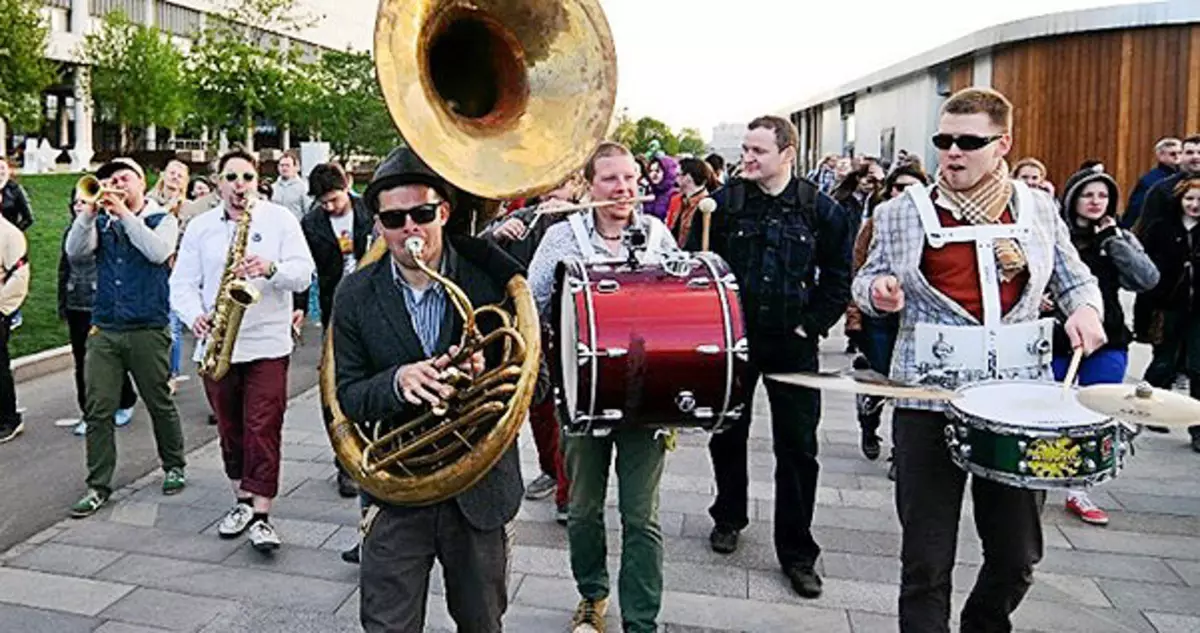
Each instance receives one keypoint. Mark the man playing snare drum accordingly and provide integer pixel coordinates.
(969, 314)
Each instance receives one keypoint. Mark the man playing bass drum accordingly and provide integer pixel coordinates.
(393, 327)
(790, 247)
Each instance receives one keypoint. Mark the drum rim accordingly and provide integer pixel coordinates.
(1045, 483)
(1102, 421)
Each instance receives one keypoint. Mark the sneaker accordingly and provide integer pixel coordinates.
(346, 485)
(80, 429)
(16, 320)
(9, 432)
(870, 445)
(88, 505)
(236, 520)
(123, 416)
(1083, 507)
(263, 537)
(589, 616)
(723, 540)
(352, 555)
(561, 514)
(805, 580)
(541, 487)
(174, 481)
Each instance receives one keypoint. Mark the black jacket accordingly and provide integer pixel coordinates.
(791, 254)
(327, 254)
(373, 336)
(15, 206)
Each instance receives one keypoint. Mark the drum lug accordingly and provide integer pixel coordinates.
(698, 283)
(1090, 465)
(941, 349)
(607, 286)
(965, 451)
(703, 413)
(708, 349)
(584, 354)
(1040, 347)
(1023, 466)
(1022, 445)
(742, 350)
(1091, 445)
(686, 401)
(613, 352)
(736, 412)
(575, 286)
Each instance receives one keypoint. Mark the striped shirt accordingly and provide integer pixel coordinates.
(426, 306)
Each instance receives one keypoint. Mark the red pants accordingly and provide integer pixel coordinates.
(545, 436)
(249, 403)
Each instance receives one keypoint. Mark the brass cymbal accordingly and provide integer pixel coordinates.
(1142, 404)
(864, 382)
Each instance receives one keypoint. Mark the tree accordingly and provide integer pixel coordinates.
(24, 70)
(690, 142)
(137, 76)
(351, 114)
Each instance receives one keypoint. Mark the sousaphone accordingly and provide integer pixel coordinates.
(503, 99)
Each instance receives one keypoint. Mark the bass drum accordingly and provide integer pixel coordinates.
(651, 345)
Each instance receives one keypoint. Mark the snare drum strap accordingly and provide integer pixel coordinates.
(581, 236)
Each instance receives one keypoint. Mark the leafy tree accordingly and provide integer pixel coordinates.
(24, 70)
(137, 76)
(351, 114)
(648, 129)
(690, 142)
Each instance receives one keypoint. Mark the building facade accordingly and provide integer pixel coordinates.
(1101, 84)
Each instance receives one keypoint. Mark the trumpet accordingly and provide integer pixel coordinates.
(89, 189)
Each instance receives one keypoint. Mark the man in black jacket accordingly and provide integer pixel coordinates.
(392, 331)
(337, 229)
(790, 247)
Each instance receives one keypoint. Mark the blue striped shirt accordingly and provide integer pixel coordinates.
(426, 307)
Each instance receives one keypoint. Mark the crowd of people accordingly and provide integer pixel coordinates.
(888, 248)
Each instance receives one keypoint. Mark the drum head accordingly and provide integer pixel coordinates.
(568, 351)
(1025, 403)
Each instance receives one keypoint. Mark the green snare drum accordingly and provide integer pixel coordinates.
(1028, 434)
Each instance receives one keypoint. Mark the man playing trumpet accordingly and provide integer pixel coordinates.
(250, 399)
(131, 241)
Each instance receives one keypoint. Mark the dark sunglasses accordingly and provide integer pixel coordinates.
(423, 214)
(965, 142)
(247, 176)
(901, 186)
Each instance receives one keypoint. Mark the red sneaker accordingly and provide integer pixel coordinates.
(1087, 511)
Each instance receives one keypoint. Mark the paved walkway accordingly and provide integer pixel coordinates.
(154, 563)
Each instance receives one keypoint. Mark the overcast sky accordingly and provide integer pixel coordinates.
(694, 66)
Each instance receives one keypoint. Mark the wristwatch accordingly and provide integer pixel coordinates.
(271, 270)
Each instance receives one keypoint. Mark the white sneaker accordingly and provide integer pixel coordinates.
(235, 521)
(263, 537)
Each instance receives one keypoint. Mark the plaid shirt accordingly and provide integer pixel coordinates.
(897, 249)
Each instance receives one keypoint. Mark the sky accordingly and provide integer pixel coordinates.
(696, 63)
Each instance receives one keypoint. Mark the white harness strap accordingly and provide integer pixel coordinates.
(655, 238)
(581, 236)
(984, 236)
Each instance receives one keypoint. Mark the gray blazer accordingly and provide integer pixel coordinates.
(373, 336)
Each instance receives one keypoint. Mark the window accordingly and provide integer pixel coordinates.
(175, 19)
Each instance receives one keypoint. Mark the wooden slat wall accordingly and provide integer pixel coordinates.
(962, 73)
(1108, 95)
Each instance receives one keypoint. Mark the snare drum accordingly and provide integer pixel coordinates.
(1027, 434)
(654, 345)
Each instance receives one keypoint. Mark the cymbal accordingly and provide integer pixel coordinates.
(1141, 403)
(869, 383)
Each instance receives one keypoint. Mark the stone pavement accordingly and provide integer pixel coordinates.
(153, 563)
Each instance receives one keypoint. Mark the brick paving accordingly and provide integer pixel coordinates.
(152, 563)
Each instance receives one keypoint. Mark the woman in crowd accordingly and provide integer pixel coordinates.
(663, 173)
(76, 294)
(1032, 172)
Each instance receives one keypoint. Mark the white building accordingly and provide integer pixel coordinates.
(727, 141)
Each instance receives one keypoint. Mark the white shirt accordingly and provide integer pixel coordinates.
(275, 235)
(343, 230)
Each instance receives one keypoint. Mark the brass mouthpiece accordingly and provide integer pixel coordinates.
(415, 246)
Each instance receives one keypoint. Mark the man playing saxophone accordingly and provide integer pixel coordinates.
(248, 393)
(131, 238)
(393, 328)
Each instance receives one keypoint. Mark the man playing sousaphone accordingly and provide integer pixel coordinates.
(965, 264)
(612, 174)
(393, 327)
(269, 255)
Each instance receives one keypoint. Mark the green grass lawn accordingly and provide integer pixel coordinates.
(42, 329)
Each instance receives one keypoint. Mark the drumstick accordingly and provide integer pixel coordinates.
(1072, 370)
(706, 206)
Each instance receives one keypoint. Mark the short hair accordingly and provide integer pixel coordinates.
(700, 172)
(325, 178)
(785, 133)
(981, 101)
(604, 150)
(292, 154)
(1164, 143)
(236, 153)
(1194, 139)
(1029, 161)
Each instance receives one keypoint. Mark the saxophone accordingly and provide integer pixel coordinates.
(233, 297)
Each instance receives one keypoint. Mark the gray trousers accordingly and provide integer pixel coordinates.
(398, 553)
(929, 495)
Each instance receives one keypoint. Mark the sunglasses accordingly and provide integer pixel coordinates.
(901, 186)
(247, 176)
(423, 214)
(965, 142)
